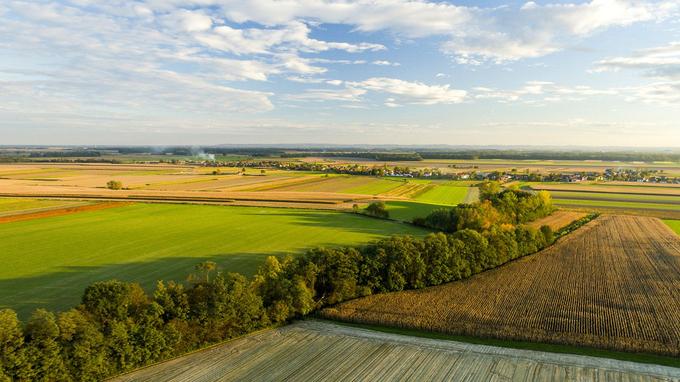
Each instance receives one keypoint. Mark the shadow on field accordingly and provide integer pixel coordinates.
(62, 290)
(357, 223)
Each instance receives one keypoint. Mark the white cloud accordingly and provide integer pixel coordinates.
(660, 62)
(539, 92)
(412, 92)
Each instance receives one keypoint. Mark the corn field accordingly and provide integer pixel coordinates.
(613, 284)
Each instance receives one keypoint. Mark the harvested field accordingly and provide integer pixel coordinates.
(60, 212)
(48, 262)
(612, 284)
(316, 351)
(558, 219)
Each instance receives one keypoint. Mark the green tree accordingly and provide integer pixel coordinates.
(43, 350)
(83, 346)
(378, 209)
(13, 362)
(114, 185)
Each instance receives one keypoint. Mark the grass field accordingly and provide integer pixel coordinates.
(617, 197)
(406, 211)
(674, 224)
(315, 350)
(49, 261)
(443, 195)
(613, 284)
(375, 187)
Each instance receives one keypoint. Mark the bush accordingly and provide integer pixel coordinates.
(378, 209)
(114, 185)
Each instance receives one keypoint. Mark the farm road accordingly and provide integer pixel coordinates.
(323, 351)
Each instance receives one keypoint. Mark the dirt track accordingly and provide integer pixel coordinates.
(322, 351)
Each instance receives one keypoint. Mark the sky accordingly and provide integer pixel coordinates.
(404, 72)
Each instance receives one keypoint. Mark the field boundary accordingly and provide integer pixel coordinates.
(597, 355)
(61, 212)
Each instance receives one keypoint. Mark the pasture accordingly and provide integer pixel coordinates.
(613, 284)
(47, 262)
(314, 350)
(674, 224)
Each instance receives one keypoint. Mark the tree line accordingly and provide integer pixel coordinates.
(119, 327)
(496, 207)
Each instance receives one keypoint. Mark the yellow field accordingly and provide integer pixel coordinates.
(613, 284)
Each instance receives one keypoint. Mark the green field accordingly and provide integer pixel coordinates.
(444, 195)
(617, 204)
(674, 224)
(661, 199)
(374, 186)
(49, 261)
(406, 211)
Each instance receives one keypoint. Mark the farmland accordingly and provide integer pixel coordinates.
(48, 261)
(621, 293)
(224, 185)
(313, 350)
(674, 224)
(661, 201)
(558, 219)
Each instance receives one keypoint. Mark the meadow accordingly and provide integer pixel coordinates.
(47, 262)
(674, 224)
(613, 284)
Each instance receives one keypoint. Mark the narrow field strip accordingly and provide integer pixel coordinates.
(60, 212)
(322, 351)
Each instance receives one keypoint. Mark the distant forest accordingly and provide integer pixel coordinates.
(392, 154)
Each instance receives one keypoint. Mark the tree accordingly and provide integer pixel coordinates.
(114, 185)
(114, 300)
(83, 345)
(43, 349)
(13, 362)
(488, 189)
(205, 269)
(378, 209)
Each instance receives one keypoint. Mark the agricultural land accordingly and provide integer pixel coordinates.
(613, 284)
(315, 350)
(50, 257)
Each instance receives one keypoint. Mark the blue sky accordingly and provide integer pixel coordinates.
(593, 73)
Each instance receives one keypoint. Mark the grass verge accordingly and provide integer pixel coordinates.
(551, 348)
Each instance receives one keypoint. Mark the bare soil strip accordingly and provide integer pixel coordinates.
(60, 212)
(321, 351)
(558, 219)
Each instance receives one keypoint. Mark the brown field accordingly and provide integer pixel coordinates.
(613, 284)
(558, 219)
(322, 351)
(59, 212)
(176, 183)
